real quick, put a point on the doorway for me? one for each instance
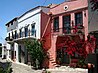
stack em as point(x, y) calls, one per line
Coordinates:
point(62, 56)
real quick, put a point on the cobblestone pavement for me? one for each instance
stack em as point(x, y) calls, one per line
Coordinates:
point(22, 68)
point(64, 69)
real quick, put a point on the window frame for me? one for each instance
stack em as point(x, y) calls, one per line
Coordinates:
point(26, 33)
point(32, 30)
point(20, 33)
point(66, 25)
point(79, 18)
point(56, 24)
point(16, 34)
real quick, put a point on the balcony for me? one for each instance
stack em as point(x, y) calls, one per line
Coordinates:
point(9, 39)
point(69, 30)
point(25, 35)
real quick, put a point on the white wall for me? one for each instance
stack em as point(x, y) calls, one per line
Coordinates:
point(11, 27)
point(16, 49)
point(8, 46)
point(32, 17)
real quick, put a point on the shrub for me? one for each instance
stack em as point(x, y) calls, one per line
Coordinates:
point(5, 67)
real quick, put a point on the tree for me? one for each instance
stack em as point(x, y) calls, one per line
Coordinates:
point(6, 67)
point(34, 48)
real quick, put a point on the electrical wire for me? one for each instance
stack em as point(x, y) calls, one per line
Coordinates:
point(44, 2)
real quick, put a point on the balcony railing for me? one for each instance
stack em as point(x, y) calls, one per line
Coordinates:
point(9, 39)
point(26, 34)
point(69, 30)
point(22, 35)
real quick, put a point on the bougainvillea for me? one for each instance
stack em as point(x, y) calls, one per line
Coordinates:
point(77, 45)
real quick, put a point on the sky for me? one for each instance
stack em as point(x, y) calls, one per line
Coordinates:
point(10, 9)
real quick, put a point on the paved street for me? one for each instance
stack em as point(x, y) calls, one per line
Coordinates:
point(64, 69)
point(22, 68)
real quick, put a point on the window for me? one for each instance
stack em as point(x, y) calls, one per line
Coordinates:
point(33, 30)
point(16, 34)
point(78, 18)
point(11, 23)
point(9, 35)
point(8, 25)
point(12, 35)
point(26, 31)
point(20, 33)
point(66, 24)
point(56, 24)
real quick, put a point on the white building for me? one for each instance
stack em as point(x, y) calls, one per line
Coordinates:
point(27, 26)
point(11, 27)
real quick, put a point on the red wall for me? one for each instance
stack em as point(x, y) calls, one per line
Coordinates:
point(46, 30)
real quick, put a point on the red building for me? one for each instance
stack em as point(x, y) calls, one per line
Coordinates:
point(68, 19)
point(62, 28)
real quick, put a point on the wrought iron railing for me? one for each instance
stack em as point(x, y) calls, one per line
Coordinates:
point(27, 34)
point(22, 35)
point(8, 39)
point(69, 30)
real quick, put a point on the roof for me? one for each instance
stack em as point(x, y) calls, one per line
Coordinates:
point(32, 10)
point(63, 2)
point(12, 20)
point(24, 14)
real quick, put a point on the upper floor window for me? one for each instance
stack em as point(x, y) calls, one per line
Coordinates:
point(9, 35)
point(66, 24)
point(20, 33)
point(12, 35)
point(26, 31)
point(16, 34)
point(11, 23)
point(8, 25)
point(56, 24)
point(78, 18)
point(33, 30)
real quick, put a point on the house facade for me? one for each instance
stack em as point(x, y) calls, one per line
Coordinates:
point(53, 25)
point(65, 18)
point(11, 27)
point(26, 27)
